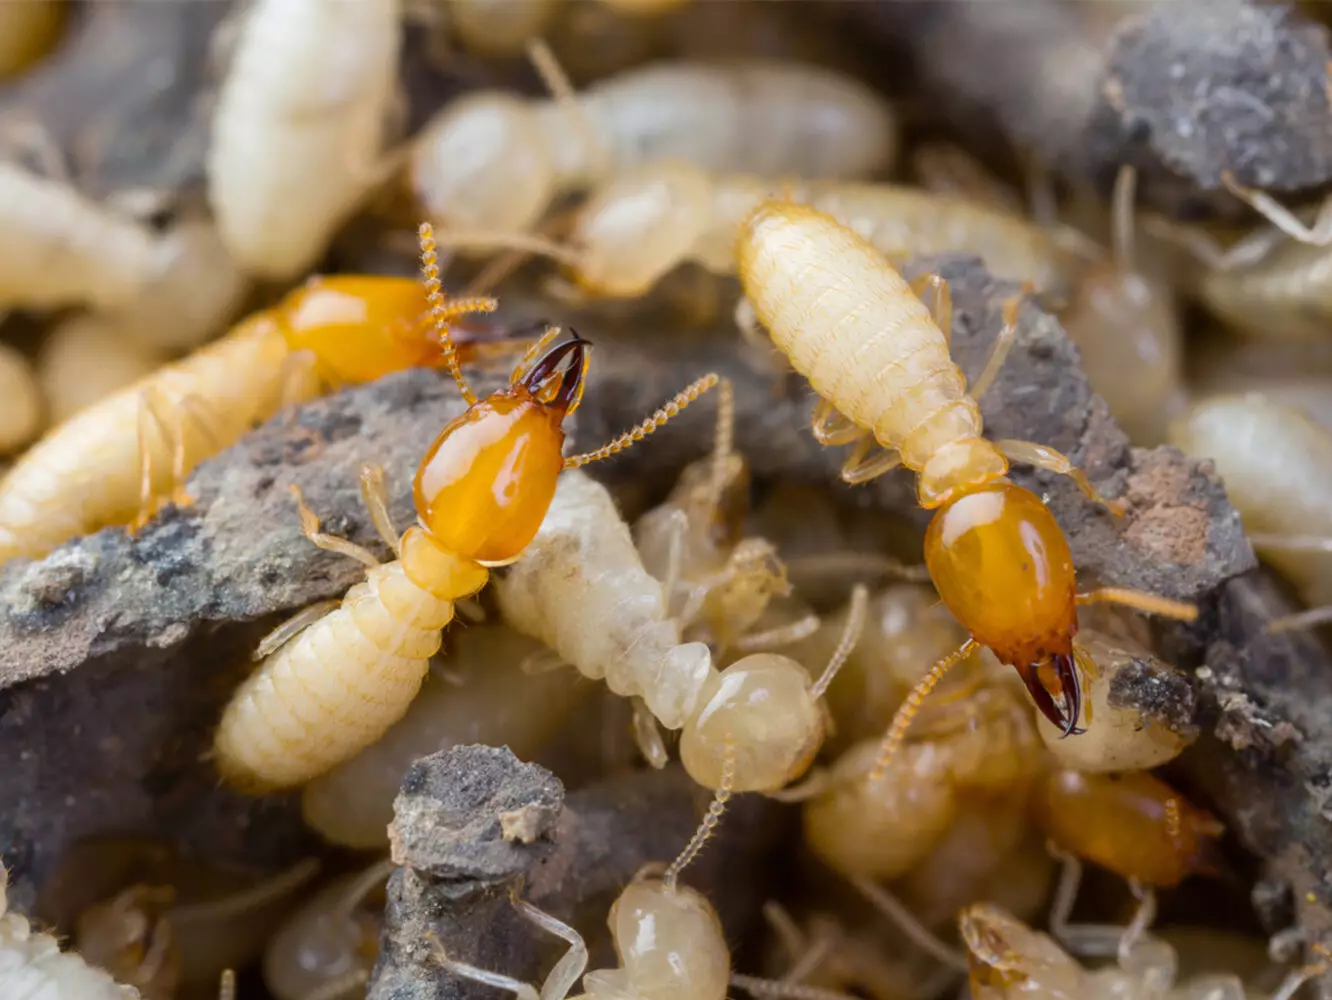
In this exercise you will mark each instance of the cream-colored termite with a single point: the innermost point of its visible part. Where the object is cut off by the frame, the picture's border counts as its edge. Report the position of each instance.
(28, 32)
(298, 132)
(85, 359)
(668, 939)
(32, 966)
(722, 581)
(479, 694)
(327, 949)
(1127, 328)
(1277, 468)
(582, 590)
(650, 219)
(58, 248)
(22, 408)
(491, 164)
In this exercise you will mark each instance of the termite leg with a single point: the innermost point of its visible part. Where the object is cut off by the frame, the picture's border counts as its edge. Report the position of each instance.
(201, 418)
(330, 543)
(374, 494)
(567, 970)
(631, 437)
(941, 301)
(780, 635)
(811, 786)
(861, 467)
(226, 987)
(150, 424)
(1319, 234)
(1311, 618)
(523, 991)
(157, 412)
(647, 736)
(1142, 601)
(833, 428)
(1044, 457)
(892, 908)
(298, 380)
(292, 627)
(1202, 247)
(561, 88)
(1003, 343)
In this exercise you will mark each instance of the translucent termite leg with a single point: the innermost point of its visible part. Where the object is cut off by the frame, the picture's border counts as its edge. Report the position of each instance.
(1319, 234)
(331, 543)
(832, 428)
(940, 300)
(567, 970)
(865, 464)
(293, 627)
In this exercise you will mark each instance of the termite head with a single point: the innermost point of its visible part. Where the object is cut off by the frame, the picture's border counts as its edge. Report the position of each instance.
(484, 486)
(1005, 957)
(359, 327)
(958, 467)
(639, 227)
(1002, 566)
(483, 164)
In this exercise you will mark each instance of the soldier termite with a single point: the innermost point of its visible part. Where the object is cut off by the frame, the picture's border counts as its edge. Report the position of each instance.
(331, 686)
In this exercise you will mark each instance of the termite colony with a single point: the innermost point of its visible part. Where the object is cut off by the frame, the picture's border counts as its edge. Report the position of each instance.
(943, 657)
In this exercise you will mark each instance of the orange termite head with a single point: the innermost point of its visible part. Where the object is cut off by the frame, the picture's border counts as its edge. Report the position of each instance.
(1002, 566)
(359, 327)
(485, 485)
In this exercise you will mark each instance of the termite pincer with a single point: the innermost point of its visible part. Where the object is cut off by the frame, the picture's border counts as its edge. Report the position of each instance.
(879, 360)
(481, 493)
(138, 444)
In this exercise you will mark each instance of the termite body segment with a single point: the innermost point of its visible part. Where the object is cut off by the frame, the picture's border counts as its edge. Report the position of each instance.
(1131, 823)
(298, 132)
(492, 162)
(879, 358)
(651, 218)
(89, 472)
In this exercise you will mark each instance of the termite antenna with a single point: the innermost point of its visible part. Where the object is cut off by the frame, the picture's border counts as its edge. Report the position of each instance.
(631, 437)
(562, 89)
(907, 712)
(756, 986)
(710, 820)
(441, 312)
(892, 908)
(724, 442)
(855, 625)
(1121, 207)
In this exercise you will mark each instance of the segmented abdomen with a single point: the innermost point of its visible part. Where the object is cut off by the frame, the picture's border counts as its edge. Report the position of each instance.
(336, 687)
(84, 475)
(847, 321)
(582, 590)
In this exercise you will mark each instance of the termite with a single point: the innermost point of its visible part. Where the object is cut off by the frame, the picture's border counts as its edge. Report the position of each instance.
(297, 135)
(28, 32)
(1132, 824)
(23, 409)
(491, 164)
(693, 543)
(481, 493)
(500, 27)
(146, 936)
(668, 940)
(58, 248)
(651, 218)
(1119, 737)
(32, 964)
(137, 445)
(584, 592)
(328, 947)
(879, 360)
(1127, 329)
(478, 694)
(1277, 468)
(86, 358)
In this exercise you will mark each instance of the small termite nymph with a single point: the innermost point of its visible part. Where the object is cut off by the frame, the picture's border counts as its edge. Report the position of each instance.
(879, 360)
(481, 492)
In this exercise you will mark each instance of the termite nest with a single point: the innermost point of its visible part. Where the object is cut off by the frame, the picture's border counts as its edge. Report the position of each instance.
(663, 499)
